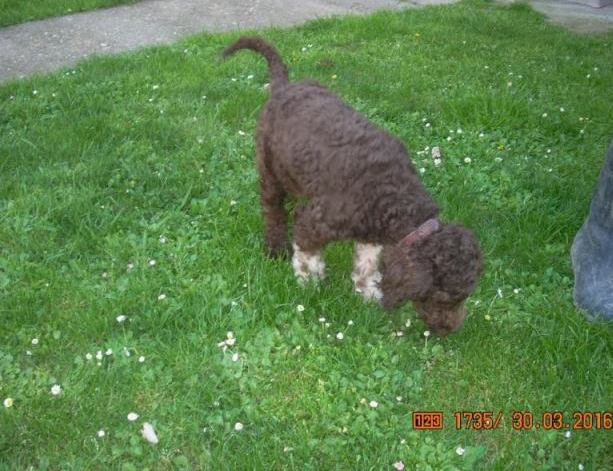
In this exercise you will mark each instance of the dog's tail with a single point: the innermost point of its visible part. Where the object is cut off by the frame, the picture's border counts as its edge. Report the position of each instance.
(276, 67)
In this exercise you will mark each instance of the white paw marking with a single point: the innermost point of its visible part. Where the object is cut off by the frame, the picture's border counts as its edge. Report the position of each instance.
(366, 276)
(307, 265)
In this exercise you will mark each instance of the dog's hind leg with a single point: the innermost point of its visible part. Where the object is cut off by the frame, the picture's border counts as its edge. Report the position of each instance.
(272, 197)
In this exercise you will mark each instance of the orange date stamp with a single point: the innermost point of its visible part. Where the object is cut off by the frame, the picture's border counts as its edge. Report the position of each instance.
(556, 420)
(520, 420)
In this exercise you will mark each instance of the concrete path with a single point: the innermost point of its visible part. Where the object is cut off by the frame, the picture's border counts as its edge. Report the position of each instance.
(46, 45)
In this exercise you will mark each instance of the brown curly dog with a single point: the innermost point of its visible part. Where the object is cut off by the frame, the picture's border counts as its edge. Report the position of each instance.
(361, 186)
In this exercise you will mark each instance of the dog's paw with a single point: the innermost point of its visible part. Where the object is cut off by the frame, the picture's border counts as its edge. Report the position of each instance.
(308, 266)
(371, 293)
(368, 287)
(277, 251)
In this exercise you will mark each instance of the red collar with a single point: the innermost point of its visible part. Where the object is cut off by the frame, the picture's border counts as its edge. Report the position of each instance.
(423, 231)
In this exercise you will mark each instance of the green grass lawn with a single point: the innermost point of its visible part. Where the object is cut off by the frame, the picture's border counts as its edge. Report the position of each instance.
(20, 11)
(128, 188)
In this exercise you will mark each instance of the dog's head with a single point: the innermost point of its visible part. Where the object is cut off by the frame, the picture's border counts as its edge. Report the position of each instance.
(437, 272)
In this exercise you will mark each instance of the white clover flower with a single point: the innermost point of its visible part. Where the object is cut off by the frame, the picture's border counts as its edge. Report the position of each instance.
(249, 77)
(516, 290)
(544, 115)
(132, 416)
(467, 160)
(459, 131)
(487, 317)
(238, 426)
(509, 84)
(562, 110)
(327, 324)
(427, 125)
(422, 170)
(373, 404)
(109, 352)
(101, 433)
(141, 359)
(162, 297)
(322, 319)
(162, 239)
(230, 342)
(398, 398)
(8, 402)
(126, 352)
(399, 333)
(34, 341)
(460, 451)
(567, 434)
(399, 465)
(481, 134)
(28, 352)
(89, 356)
(340, 336)
(105, 275)
(363, 400)
(426, 333)
(120, 318)
(350, 322)
(130, 266)
(56, 389)
(581, 467)
(588, 76)
(235, 357)
(152, 263)
(241, 133)
(407, 324)
(233, 203)
(287, 449)
(99, 355)
(149, 433)
(300, 308)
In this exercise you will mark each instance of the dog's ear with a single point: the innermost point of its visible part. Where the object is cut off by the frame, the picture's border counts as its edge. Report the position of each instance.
(418, 279)
(404, 277)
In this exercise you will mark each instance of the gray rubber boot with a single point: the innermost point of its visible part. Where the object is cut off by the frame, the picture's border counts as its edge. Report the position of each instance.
(592, 250)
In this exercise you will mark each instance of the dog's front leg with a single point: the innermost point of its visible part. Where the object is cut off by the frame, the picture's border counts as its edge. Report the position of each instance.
(366, 276)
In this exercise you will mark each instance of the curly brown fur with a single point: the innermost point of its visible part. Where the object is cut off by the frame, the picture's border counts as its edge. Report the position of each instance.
(360, 185)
